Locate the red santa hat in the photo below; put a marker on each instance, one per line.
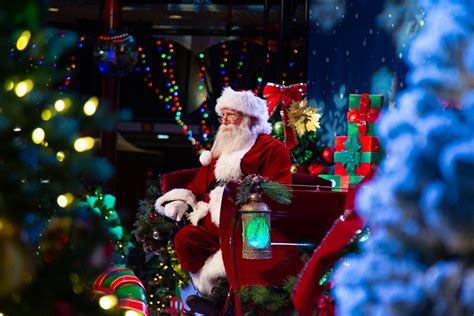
(249, 104)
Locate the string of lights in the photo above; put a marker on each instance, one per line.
(34, 62)
(292, 66)
(204, 108)
(239, 67)
(170, 96)
(260, 80)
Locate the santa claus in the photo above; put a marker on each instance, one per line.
(242, 146)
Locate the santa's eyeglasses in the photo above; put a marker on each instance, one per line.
(231, 116)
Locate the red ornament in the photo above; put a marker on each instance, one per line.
(152, 216)
(328, 154)
(315, 169)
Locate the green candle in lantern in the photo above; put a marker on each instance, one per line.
(256, 243)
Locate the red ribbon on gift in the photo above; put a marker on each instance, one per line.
(284, 95)
(364, 115)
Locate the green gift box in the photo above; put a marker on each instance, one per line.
(364, 110)
(341, 183)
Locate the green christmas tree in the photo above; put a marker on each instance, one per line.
(52, 245)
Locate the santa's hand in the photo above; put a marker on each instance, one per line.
(175, 210)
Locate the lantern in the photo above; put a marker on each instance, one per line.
(256, 243)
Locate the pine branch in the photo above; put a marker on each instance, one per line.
(277, 192)
(253, 183)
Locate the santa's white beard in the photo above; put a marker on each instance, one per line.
(231, 138)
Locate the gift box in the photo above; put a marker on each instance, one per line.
(356, 156)
(341, 183)
(367, 143)
(362, 169)
(364, 110)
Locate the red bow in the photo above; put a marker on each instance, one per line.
(364, 115)
(284, 95)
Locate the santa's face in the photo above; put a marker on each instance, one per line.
(229, 116)
(234, 133)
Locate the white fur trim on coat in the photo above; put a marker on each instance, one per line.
(176, 194)
(205, 157)
(205, 279)
(228, 165)
(195, 216)
(214, 206)
(215, 203)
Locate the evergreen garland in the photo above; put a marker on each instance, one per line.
(268, 300)
(152, 228)
(161, 273)
(253, 183)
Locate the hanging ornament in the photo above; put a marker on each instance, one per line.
(278, 128)
(152, 216)
(328, 154)
(156, 235)
(315, 169)
(116, 53)
(293, 168)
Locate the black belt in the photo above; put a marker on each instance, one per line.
(216, 183)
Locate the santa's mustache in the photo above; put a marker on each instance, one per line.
(227, 128)
(230, 138)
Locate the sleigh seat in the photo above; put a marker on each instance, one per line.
(313, 210)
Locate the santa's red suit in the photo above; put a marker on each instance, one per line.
(197, 244)
(197, 247)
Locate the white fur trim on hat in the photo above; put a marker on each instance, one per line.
(205, 157)
(205, 279)
(249, 104)
(176, 194)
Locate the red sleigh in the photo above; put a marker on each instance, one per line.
(306, 220)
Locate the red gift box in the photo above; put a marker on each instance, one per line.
(368, 143)
(361, 170)
(360, 159)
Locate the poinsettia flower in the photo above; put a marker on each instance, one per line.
(303, 118)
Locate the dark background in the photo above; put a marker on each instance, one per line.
(285, 41)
